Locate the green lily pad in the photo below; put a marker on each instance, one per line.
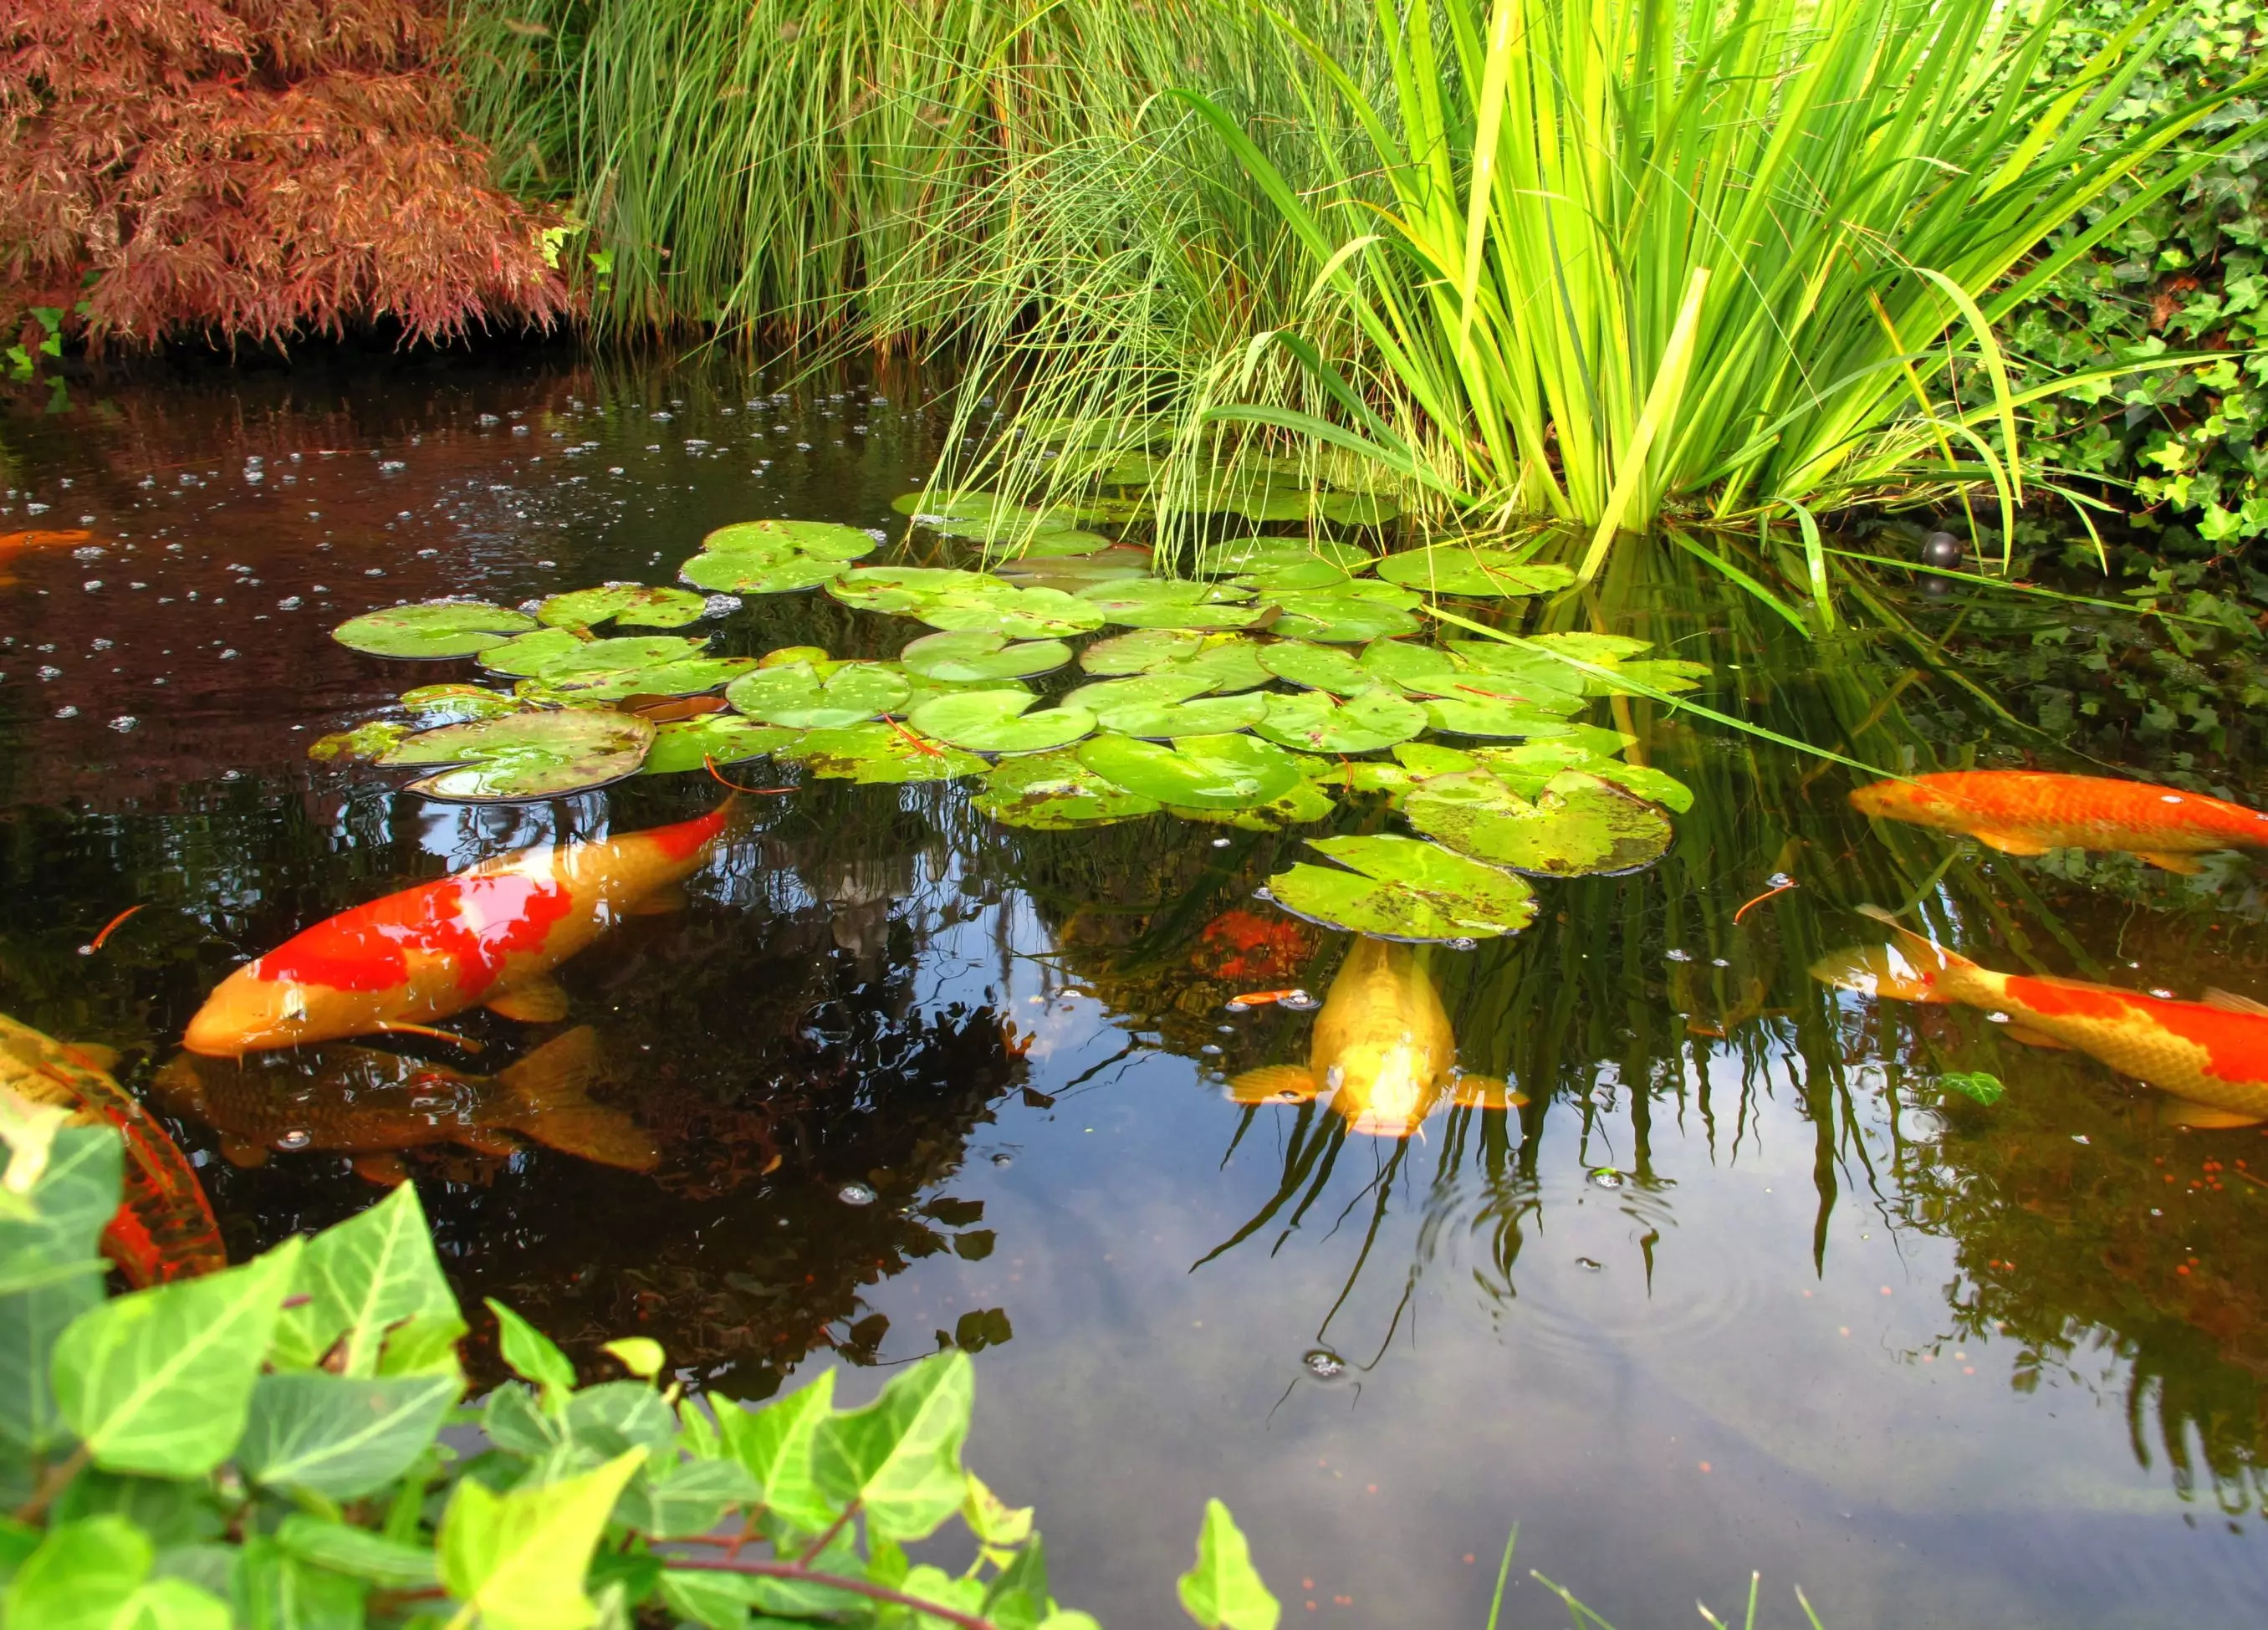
(431, 705)
(527, 755)
(1982, 1084)
(821, 539)
(1491, 716)
(1138, 690)
(1671, 674)
(1126, 469)
(688, 678)
(738, 573)
(1421, 669)
(898, 590)
(1054, 793)
(1314, 721)
(1057, 545)
(631, 604)
(597, 661)
(1462, 569)
(1142, 652)
(1529, 768)
(1172, 602)
(1204, 772)
(1202, 716)
(1607, 649)
(367, 741)
(1356, 509)
(1402, 889)
(788, 656)
(1072, 573)
(1262, 555)
(1344, 617)
(1304, 804)
(1576, 825)
(797, 696)
(1303, 577)
(1316, 667)
(436, 630)
(1012, 612)
(690, 743)
(962, 657)
(1430, 758)
(879, 754)
(995, 721)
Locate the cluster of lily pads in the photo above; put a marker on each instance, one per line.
(1259, 692)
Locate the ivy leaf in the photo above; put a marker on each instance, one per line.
(516, 1561)
(277, 1590)
(531, 1353)
(341, 1436)
(776, 1444)
(59, 1279)
(93, 1574)
(356, 1552)
(1224, 1591)
(900, 1456)
(160, 1380)
(361, 1277)
(690, 1500)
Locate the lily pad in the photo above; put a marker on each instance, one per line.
(1055, 545)
(879, 754)
(1356, 509)
(431, 705)
(1171, 602)
(1316, 667)
(432, 632)
(996, 722)
(1206, 772)
(1576, 825)
(1589, 647)
(1528, 768)
(1259, 555)
(1138, 691)
(1430, 758)
(1462, 569)
(1315, 722)
(526, 655)
(962, 657)
(1074, 572)
(1403, 889)
(898, 590)
(527, 755)
(1423, 669)
(797, 696)
(1304, 804)
(1054, 793)
(1665, 673)
(687, 678)
(1300, 577)
(594, 662)
(1142, 652)
(1012, 612)
(1491, 716)
(1201, 716)
(738, 573)
(366, 740)
(690, 743)
(1345, 616)
(821, 539)
(631, 604)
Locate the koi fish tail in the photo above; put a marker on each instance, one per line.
(1914, 969)
(549, 1100)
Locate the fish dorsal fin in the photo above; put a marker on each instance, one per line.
(2229, 1001)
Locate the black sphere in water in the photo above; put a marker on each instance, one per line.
(1942, 549)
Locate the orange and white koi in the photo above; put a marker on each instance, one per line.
(489, 936)
(2212, 1054)
(2027, 812)
(1383, 1049)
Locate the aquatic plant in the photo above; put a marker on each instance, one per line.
(253, 169)
(262, 1445)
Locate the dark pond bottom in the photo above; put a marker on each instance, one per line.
(1740, 1287)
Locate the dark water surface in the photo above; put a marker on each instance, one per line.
(1741, 1287)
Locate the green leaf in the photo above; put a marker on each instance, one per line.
(532, 1354)
(965, 659)
(51, 1262)
(160, 1380)
(433, 631)
(366, 740)
(630, 604)
(275, 1590)
(641, 1355)
(1401, 888)
(776, 1444)
(1314, 721)
(1172, 604)
(516, 1561)
(1201, 716)
(686, 744)
(1460, 569)
(719, 1600)
(1224, 1591)
(592, 663)
(361, 1277)
(1316, 667)
(1578, 824)
(691, 676)
(615, 1415)
(1203, 772)
(900, 1456)
(81, 1578)
(1140, 691)
(689, 1500)
(997, 721)
(1426, 670)
(880, 754)
(1982, 1084)
(736, 572)
(1016, 613)
(795, 696)
(168, 1512)
(343, 1548)
(341, 1436)
(526, 755)
(1341, 616)
(1017, 1599)
(1489, 716)
(527, 656)
(1142, 652)
(821, 539)
(1053, 793)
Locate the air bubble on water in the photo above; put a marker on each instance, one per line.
(1298, 1001)
(487, 418)
(1464, 943)
(855, 1194)
(67, 712)
(123, 723)
(1606, 1178)
(1226, 1030)
(50, 672)
(1263, 893)
(1004, 1159)
(1220, 843)
(1323, 1363)
(1677, 956)
(295, 1138)
(93, 584)
(228, 654)
(1589, 1265)
(93, 551)
(231, 775)
(1719, 961)
(1210, 1050)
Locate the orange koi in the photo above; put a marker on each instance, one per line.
(1262, 998)
(489, 936)
(12, 543)
(2212, 1054)
(2027, 812)
(165, 1228)
(1243, 944)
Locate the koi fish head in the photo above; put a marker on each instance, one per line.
(1915, 968)
(1916, 801)
(1384, 1089)
(250, 1011)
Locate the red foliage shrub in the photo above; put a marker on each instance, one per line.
(250, 169)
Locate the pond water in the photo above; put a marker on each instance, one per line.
(1741, 1286)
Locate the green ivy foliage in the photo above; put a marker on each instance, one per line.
(288, 1445)
(2189, 445)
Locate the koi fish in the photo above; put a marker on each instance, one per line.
(164, 1229)
(2026, 812)
(15, 543)
(2212, 1054)
(1382, 1049)
(489, 937)
(1244, 945)
(361, 1101)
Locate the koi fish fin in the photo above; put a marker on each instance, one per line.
(487, 1141)
(2008, 843)
(1877, 970)
(93, 1056)
(2229, 1001)
(385, 1169)
(1485, 1092)
(2188, 865)
(538, 1000)
(552, 1090)
(401, 1026)
(1275, 1083)
(2031, 1037)
(2183, 1112)
(667, 898)
(243, 1152)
